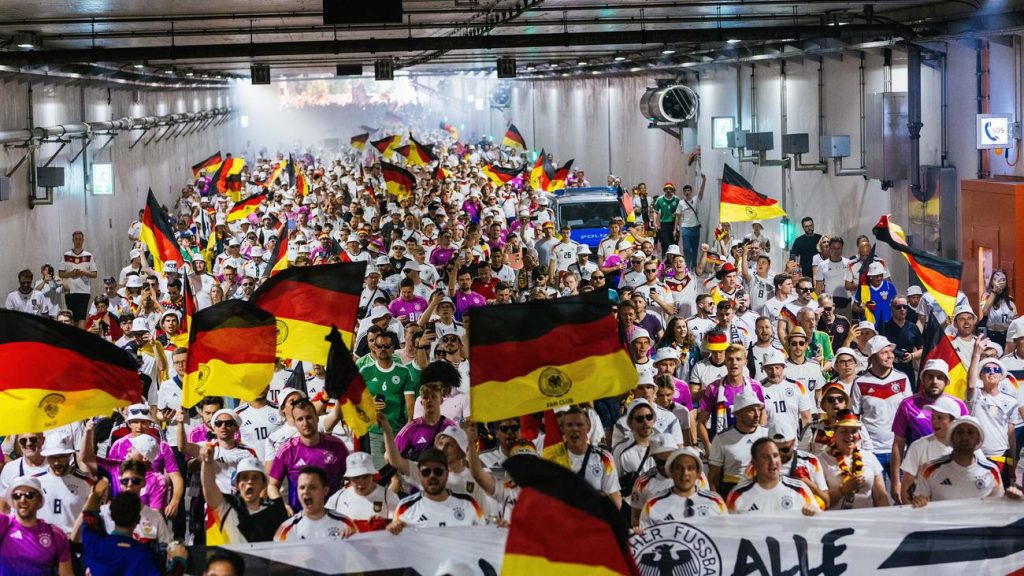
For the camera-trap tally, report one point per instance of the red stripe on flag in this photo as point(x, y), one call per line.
point(22, 361)
point(230, 345)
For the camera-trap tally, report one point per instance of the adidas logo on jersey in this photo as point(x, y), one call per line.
point(301, 462)
point(422, 518)
point(946, 482)
point(753, 507)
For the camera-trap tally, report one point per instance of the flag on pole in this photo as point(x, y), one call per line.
point(55, 374)
point(301, 184)
point(741, 203)
point(279, 258)
point(939, 345)
point(274, 174)
point(400, 182)
point(538, 176)
point(158, 236)
point(231, 352)
point(359, 140)
point(243, 208)
point(344, 383)
point(547, 354)
point(307, 302)
point(387, 144)
point(513, 139)
point(500, 176)
point(214, 160)
point(940, 276)
point(558, 181)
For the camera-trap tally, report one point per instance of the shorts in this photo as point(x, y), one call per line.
point(78, 305)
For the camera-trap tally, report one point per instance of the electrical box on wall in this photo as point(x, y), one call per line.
point(5, 188)
point(761, 141)
point(887, 153)
point(834, 146)
point(795, 144)
point(737, 139)
point(48, 177)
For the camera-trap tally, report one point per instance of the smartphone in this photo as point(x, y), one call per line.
point(379, 398)
point(431, 327)
point(981, 331)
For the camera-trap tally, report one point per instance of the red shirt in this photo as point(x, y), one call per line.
point(485, 290)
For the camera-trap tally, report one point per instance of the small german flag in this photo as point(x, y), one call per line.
point(83, 375)
point(359, 140)
point(387, 144)
point(231, 352)
point(538, 176)
point(513, 139)
point(158, 235)
point(279, 259)
point(500, 176)
point(190, 304)
point(301, 184)
point(242, 209)
point(442, 173)
point(547, 354)
point(307, 301)
point(561, 176)
point(400, 182)
point(274, 174)
point(553, 502)
point(210, 162)
point(416, 154)
point(741, 203)
point(940, 276)
point(344, 383)
point(939, 345)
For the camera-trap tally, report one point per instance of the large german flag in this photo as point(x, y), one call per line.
point(940, 276)
point(937, 344)
point(538, 176)
point(387, 144)
point(158, 235)
point(553, 502)
point(279, 259)
point(344, 383)
point(307, 301)
point(561, 176)
point(416, 154)
point(213, 160)
point(513, 139)
point(55, 374)
point(741, 203)
point(500, 176)
point(231, 352)
point(359, 140)
point(400, 182)
point(243, 208)
point(301, 184)
point(227, 178)
point(546, 354)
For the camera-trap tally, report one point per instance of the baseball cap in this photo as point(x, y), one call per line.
point(746, 399)
point(967, 421)
point(57, 443)
point(399, 243)
point(138, 412)
point(684, 451)
point(433, 455)
point(945, 405)
point(782, 429)
point(146, 446)
point(914, 291)
point(229, 412)
point(249, 465)
point(24, 482)
point(639, 333)
point(936, 365)
point(878, 343)
point(459, 435)
point(359, 464)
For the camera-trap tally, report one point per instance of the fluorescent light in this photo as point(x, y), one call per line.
point(581, 63)
point(668, 51)
point(138, 66)
point(620, 58)
point(595, 71)
point(26, 46)
point(733, 41)
point(636, 69)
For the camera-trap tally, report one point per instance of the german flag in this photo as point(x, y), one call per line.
point(538, 176)
point(741, 203)
point(400, 182)
point(558, 181)
point(210, 162)
point(83, 375)
point(231, 352)
point(190, 304)
point(940, 276)
point(301, 184)
point(441, 173)
point(158, 235)
point(937, 344)
point(307, 301)
point(344, 383)
point(274, 174)
point(513, 139)
point(547, 354)
point(554, 501)
point(863, 295)
point(279, 260)
point(500, 176)
point(450, 129)
point(387, 144)
point(359, 140)
point(242, 209)
point(416, 154)
point(228, 178)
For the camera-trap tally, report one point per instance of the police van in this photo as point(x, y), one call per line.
point(587, 211)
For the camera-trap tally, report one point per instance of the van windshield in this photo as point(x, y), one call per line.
point(589, 214)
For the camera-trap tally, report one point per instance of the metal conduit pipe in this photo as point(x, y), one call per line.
point(821, 165)
point(85, 129)
point(837, 163)
point(914, 123)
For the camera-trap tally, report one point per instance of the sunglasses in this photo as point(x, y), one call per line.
point(28, 441)
point(643, 418)
point(805, 289)
point(132, 481)
point(900, 307)
point(654, 271)
point(223, 423)
point(428, 472)
point(828, 309)
point(449, 338)
point(385, 346)
point(508, 429)
point(798, 343)
point(138, 411)
point(833, 399)
point(991, 370)
point(18, 496)
point(597, 277)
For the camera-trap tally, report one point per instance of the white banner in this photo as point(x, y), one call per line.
point(972, 537)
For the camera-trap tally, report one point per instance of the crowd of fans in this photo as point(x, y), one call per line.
point(760, 387)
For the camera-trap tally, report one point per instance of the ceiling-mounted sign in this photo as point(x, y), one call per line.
point(994, 131)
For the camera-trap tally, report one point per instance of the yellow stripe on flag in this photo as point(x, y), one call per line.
point(217, 378)
point(300, 340)
point(740, 213)
point(524, 564)
point(590, 378)
point(359, 418)
point(22, 411)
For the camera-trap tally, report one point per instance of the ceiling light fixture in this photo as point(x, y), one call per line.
point(733, 41)
point(25, 40)
point(668, 51)
point(620, 58)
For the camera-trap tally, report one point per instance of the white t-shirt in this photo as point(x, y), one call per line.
point(944, 479)
point(455, 510)
point(17, 468)
point(807, 374)
point(152, 526)
point(382, 502)
point(600, 472)
point(82, 261)
point(225, 462)
point(786, 400)
point(32, 303)
point(927, 449)
point(730, 450)
point(995, 414)
point(773, 307)
point(257, 426)
point(298, 527)
point(833, 276)
point(872, 468)
point(687, 211)
point(670, 506)
point(564, 254)
point(789, 496)
point(761, 290)
point(65, 497)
